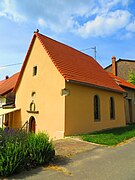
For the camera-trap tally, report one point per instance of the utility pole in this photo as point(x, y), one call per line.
point(95, 52)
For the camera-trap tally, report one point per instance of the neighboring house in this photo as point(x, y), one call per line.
point(2, 102)
point(129, 97)
point(121, 67)
point(63, 91)
point(2, 98)
point(7, 97)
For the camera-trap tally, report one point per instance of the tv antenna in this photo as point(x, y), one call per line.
point(95, 51)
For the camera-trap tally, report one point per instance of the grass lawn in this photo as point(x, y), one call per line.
point(110, 137)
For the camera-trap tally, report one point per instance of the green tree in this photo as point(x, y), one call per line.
point(131, 77)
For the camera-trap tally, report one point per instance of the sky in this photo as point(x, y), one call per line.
point(108, 25)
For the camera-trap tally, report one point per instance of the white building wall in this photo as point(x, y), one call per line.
point(2, 102)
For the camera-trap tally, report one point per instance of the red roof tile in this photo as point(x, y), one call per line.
point(7, 85)
point(121, 81)
point(2, 81)
point(73, 64)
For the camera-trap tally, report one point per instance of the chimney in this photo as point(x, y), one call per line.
point(114, 70)
point(6, 77)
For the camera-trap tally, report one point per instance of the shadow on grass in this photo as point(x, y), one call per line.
point(116, 131)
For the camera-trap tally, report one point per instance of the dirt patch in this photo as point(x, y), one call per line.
point(60, 169)
point(69, 146)
point(64, 149)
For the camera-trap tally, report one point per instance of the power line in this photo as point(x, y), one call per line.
point(95, 56)
point(10, 65)
point(85, 49)
point(101, 62)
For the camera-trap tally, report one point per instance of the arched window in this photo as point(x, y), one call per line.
point(32, 106)
point(96, 108)
point(112, 108)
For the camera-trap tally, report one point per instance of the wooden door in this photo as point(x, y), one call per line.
point(32, 124)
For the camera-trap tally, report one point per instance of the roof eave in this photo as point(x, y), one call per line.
point(6, 92)
point(128, 60)
point(95, 86)
point(123, 86)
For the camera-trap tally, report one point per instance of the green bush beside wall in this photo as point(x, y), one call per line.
point(21, 150)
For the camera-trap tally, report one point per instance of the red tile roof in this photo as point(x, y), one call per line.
point(7, 85)
point(121, 81)
point(73, 64)
point(2, 81)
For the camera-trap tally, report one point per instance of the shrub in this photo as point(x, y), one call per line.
point(12, 150)
point(40, 150)
point(131, 77)
point(19, 150)
point(11, 157)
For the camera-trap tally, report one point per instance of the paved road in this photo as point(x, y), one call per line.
point(100, 163)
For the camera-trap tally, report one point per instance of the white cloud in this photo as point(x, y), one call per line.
point(127, 35)
point(41, 22)
point(131, 26)
point(105, 24)
point(108, 4)
point(83, 17)
point(9, 11)
point(1, 68)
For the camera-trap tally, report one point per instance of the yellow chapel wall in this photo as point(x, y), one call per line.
point(80, 109)
point(47, 85)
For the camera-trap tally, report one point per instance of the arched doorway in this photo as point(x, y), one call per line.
point(32, 124)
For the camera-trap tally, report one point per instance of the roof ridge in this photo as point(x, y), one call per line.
point(120, 59)
point(72, 64)
point(46, 41)
point(37, 34)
